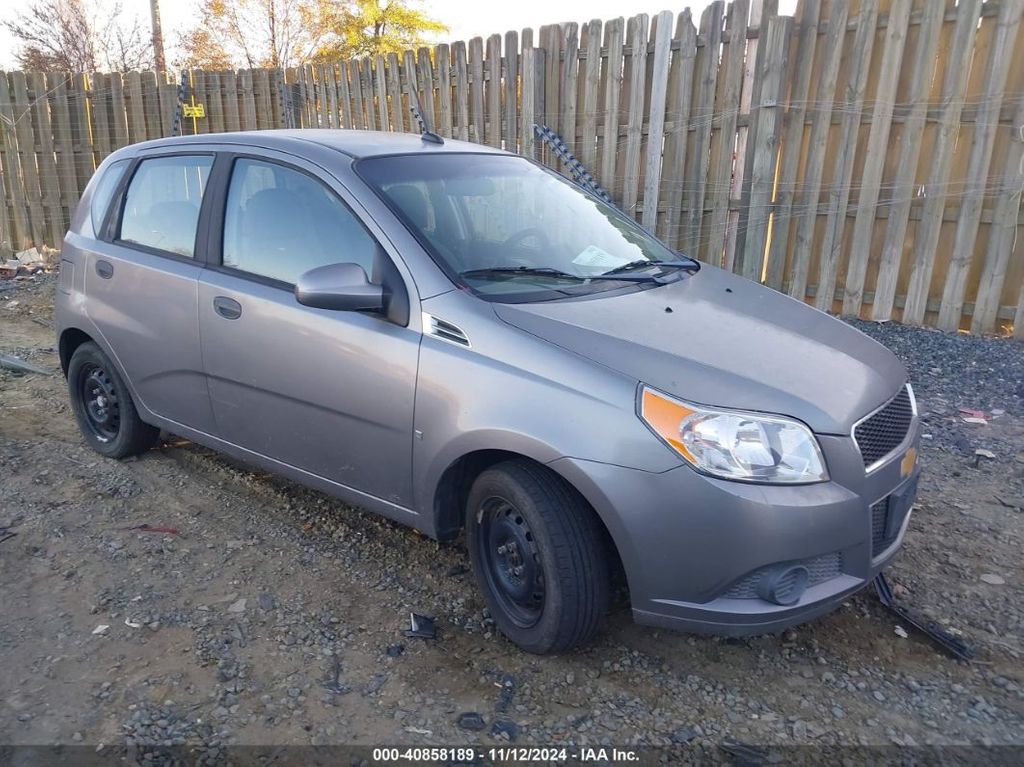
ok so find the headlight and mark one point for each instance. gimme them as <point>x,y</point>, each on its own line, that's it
<point>748,447</point>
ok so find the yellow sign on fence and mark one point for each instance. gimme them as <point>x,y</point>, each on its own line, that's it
<point>193,110</point>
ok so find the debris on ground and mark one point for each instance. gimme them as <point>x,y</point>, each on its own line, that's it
<point>470,720</point>
<point>420,626</point>
<point>101,629</point>
<point>10,362</point>
<point>146,528</point>
<point>993,580</point>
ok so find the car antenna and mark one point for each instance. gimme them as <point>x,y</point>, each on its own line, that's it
<point>425,131</point>
<point>579,173</point>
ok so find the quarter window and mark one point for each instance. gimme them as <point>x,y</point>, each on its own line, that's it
<point>161,209</point>
<point>281,222</point>
<point>104,191</point>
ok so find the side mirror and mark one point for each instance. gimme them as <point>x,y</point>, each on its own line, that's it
<point>342,287</point>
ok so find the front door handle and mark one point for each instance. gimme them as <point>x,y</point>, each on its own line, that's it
<point>228,308</point>
<point>104,269</point>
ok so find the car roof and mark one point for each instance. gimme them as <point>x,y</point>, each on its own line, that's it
<point>354,143</point>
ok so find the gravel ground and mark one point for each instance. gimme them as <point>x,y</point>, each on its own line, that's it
<point>275,614</point>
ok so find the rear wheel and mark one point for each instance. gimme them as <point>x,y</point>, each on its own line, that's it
<point>538,555</point>
<point>103,406</point>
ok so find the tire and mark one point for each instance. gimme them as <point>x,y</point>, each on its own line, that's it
<point>559,598</point>
<point>103,406</point>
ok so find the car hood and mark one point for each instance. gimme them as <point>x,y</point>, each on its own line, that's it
<point>718,339</point>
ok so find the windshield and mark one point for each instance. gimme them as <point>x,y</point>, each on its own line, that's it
<point>514,231</point>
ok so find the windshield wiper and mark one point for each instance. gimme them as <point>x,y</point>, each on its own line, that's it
<point>547,271</point>
<point>691,266</point>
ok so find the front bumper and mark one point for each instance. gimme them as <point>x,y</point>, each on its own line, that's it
<point>692,545</point>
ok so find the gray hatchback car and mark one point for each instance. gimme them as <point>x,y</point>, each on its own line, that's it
<point>460,339</point>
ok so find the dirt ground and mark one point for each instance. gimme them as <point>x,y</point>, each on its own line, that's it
<point>275,614</point>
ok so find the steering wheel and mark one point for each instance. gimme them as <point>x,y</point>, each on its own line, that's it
<point>525,234</point>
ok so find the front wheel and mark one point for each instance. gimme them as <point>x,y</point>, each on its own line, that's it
<point>103,406</point>
<point>538,554</point>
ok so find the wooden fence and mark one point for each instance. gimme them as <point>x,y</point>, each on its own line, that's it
<point>866,157</point>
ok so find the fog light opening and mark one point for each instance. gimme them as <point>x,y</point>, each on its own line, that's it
<point>784,585</point>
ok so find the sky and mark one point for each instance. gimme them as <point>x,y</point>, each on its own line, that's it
<point>465,19</point>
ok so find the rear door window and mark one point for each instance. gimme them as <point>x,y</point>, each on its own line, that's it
<point>161,208</point>
<point>280,222</point>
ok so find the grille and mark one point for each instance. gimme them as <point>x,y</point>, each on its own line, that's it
<point>879,520</point>
<point>883,431</point>
<point>819,570</point>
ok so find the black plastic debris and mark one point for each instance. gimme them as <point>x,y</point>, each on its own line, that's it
<point>470,720</point>
<point>456,570</point>
<point>333,682</point>
<point>394,650</point>
<point>6,534</point>
<point>505,728</point>
<point>953,645</point>
<point>745,756</point>
<point>420,626</point>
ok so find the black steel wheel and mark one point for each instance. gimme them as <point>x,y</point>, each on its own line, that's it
<point>102,409</point>
<point>538,552</point>
<point>103,406</point>
<point>511,561</point>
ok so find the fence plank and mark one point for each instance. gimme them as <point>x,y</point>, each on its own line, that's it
<point>1003,233</point>
<point>493,90</point>
<point>27,156</point>
<point>229,99</point>
<point>100,112</point>
<point>264,101</point>
<point>996,69</point>
<point>22,236</point>
<point>842,173</point>
<point>792,147</point>
<point>443,64</point>
<point>119,117</point>
<point>817,148</point>
<point>765,146</point>
<point>551,41</point>
<point>134,108</point>
<point>753,75</point>
<point>461,91</point>
<point>874,162</point>
<point>611,85</point>
<point>634,77</point>
<point>721,161</point>
<point>511,128</point>
<point>703,114</point>
<point>662,33</point>
<point>586,148</point>
<point>56,84</point>
<point>528,112</point>
<point>49,185</point>
<point>570,79</point>
<point>476,90</point>
<point>380,83</point>
<point>425,77</point>
<point>680,94</point>
<point>394,93</point>
<point>345,96</point>
<point>81,131</point>
<point>248,99</point>
<point>906,167</point>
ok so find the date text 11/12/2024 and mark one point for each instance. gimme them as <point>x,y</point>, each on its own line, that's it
<point>526,754</point>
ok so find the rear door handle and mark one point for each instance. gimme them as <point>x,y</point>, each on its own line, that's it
<point>228,308</point>
<point>104,269</point>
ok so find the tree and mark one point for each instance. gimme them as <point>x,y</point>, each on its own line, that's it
<point>286,33</point>
<point>64,35</point>
<point>254,33</point>
<point>55,35</point>
<point>371,27</point>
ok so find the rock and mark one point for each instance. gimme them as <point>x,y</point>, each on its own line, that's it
<point>394,650</point>
<point>265,601</point>
<point>237,607</point>
<point>992,579</point>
